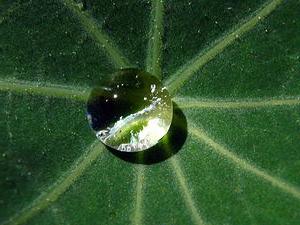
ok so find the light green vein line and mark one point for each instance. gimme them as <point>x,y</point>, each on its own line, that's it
<point>226,153</point>
<point>155,45</point>
<point>237,104</point>
<point>49,90</point>
<point>138,212</point>
<point>91,26</point>
<point>178,79</point>
<point>57,189</point>
<point>186,192</point>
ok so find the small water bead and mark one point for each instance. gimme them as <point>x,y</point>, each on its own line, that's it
<point>132,112</point>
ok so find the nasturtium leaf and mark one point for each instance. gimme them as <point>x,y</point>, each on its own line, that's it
<point>232,153</point>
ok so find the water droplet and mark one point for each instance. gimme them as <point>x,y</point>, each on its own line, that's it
<point>120,116</point>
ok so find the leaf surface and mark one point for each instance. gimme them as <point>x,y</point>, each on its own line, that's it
<point>233,69</point>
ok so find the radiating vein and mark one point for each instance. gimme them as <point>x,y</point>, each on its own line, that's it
<point>59,187</point>
<point>236,104</point>
<point>138,212</point>
<point>188,199</point>
<point>155,45</point>
<point>49,90</point>
<point>190,68</point>
<point>91,26</point>
<point>284,186</point>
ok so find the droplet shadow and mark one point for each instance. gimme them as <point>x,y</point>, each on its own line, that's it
<point>168,146</point>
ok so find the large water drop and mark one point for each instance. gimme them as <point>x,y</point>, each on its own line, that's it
<point>132,112</point>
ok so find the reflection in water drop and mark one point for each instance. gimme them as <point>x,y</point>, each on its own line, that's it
<point>132,112</point>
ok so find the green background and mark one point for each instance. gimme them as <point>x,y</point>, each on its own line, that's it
<point>45,43</point>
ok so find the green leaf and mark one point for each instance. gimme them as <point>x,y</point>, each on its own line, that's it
<point>233,68</point>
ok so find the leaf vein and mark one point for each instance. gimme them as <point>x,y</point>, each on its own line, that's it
<point>138,213</point>
<point>59,187</point>
<point>91,26</point>
<point>154,53</point>
<point>201,136</point>
<point>237,104</point>
<point>49,90</point>
<point>178,79</point>
<point>188,199</point>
